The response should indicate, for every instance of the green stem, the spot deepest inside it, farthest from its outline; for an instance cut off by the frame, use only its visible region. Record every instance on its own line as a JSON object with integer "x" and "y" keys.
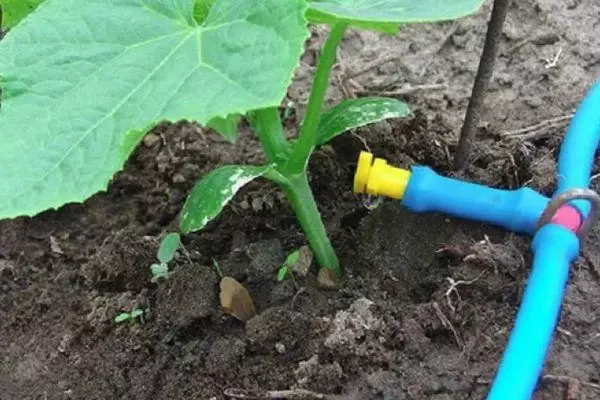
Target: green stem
{"x": 303, "y": 203}
{"x": 308, "y": 132}
{"x": 268, "y": 128}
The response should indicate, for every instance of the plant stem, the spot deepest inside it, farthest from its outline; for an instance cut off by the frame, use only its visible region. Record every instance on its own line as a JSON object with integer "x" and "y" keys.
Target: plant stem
{"x": 308, "y": 132}
{"x": 484, "y": 73}
{"x": 292, "y": 175}
{"x": 268, "y": 128}
{"x": 304, "y": 205}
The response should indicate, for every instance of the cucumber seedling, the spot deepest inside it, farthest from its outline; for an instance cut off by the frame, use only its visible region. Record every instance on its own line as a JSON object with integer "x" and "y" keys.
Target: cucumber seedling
{"x": 166, "y": 252}
{"x": 130, "y": 316}
{"x": 83, "y": 82}
{"x": 286, "y": 268}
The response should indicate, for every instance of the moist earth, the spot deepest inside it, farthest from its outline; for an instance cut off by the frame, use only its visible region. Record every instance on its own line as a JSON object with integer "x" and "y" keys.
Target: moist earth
{"x": 427, "y": 302}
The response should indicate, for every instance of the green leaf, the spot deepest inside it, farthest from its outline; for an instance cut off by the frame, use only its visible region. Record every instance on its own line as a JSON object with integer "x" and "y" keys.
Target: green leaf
{"x": 13, "y": 11}
{"x": 136, "y": 313}
{"x": 283, "y": 271}
{"x": 168, "y": 247}
{"x": 122, "y": 317}
{"x": 227, "y": 127}
{"x": 83, "y": 80}
{"x": 387, "y": 15}
{"x": 218, "y": 269}
{"x": 292, "y": 258}
{"x": 213, "y": 192}
{"x": 359, "y": 112}
{"x": 159, "y": 271}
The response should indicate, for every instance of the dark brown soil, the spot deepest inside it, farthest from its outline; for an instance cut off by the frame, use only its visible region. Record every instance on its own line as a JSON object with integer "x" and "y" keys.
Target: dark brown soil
{"x": 395, "y": 330}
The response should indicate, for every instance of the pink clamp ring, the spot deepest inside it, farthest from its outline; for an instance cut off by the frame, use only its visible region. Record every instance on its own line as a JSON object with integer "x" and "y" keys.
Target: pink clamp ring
{"x": 562, "y": 199}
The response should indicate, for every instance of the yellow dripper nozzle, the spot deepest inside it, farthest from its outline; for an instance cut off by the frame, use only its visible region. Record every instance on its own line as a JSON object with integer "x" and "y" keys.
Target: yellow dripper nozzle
{"x": 378, "y": 178}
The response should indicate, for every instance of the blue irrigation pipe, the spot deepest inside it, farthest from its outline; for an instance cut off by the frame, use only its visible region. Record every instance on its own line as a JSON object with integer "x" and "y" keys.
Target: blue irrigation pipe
{"x": 579, "y": 146}
{"x": 555, "y": 224}
{"x": 516, "y": 210}
{"x": 554, "y": 246}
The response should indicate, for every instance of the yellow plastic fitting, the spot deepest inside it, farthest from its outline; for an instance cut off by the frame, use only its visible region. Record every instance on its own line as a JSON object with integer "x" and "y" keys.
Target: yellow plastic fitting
{"x": 377, "y": 178}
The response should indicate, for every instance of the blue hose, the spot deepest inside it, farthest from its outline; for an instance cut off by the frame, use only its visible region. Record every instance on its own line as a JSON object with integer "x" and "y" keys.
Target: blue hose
{"x": 515, "y": 210}
{"x": 579, "y": 147}
{"x": 554, "y": 248}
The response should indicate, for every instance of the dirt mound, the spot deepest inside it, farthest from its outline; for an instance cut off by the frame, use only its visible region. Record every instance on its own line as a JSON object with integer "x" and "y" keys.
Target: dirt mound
{"x": 427, "y": 302}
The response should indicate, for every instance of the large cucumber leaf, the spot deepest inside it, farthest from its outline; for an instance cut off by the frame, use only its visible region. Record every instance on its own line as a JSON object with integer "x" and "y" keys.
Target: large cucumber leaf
{"x": 212, "y": 193}
{"x": 355, "y": 113}
{"x": 13, "y": 11}
{"x": 387, "y": 15}
{"x": 82, "y": 81}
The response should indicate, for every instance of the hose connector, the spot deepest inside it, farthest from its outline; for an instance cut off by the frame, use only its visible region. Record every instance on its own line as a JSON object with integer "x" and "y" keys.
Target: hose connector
{"x": 377, "y": 178}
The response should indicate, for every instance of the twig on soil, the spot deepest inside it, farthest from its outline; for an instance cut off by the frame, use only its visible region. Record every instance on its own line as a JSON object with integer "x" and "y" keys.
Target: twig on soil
{"x": 564, "y": 331}
{"x": 452, "y": 288}
{"x": 573, "y": 385}
{"x": 552, "y": 63}
{"x": 538, "y": 130}
{"x": 515, "y": 168}
{"x": 484, "y": 73}
{"x": 370, "y": 66}
{"x": 447, "y": 324}
{"x": 292, "y": 394}
{"x": 404, "y": 91}
{"x": 540, "y": 40}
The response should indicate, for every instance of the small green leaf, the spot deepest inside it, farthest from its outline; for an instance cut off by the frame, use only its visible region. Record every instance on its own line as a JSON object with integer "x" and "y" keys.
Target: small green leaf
{"x": 13, "y": 11}
{"x": 213, "y": 192}
{"x": 387, "y": 15}
{"x": 136, "y": 313}
{"x": 159, "y": 271}
{"x": 283, "y": 271}
{"x": 292, "y": 258}
{"x": 168, "y": 247}
{"x": 218, "y": 269}
{"x": 355, "y": 113}
{"x": 227, "y": 127}
{"x": 122, "y": 317}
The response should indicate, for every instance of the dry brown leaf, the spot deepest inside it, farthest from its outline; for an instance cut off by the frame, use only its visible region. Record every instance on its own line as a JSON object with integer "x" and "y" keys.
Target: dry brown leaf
{"x": 235, "y": 299}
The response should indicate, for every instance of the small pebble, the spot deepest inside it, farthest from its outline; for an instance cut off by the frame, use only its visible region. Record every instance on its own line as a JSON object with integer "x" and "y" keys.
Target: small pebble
{"x": 302, "y": 265}
{"x": 280, "y": 347}
{"x": 151, "y": 139}
{"x": 178, "y": 178}
{"x": 326, "y": 279}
